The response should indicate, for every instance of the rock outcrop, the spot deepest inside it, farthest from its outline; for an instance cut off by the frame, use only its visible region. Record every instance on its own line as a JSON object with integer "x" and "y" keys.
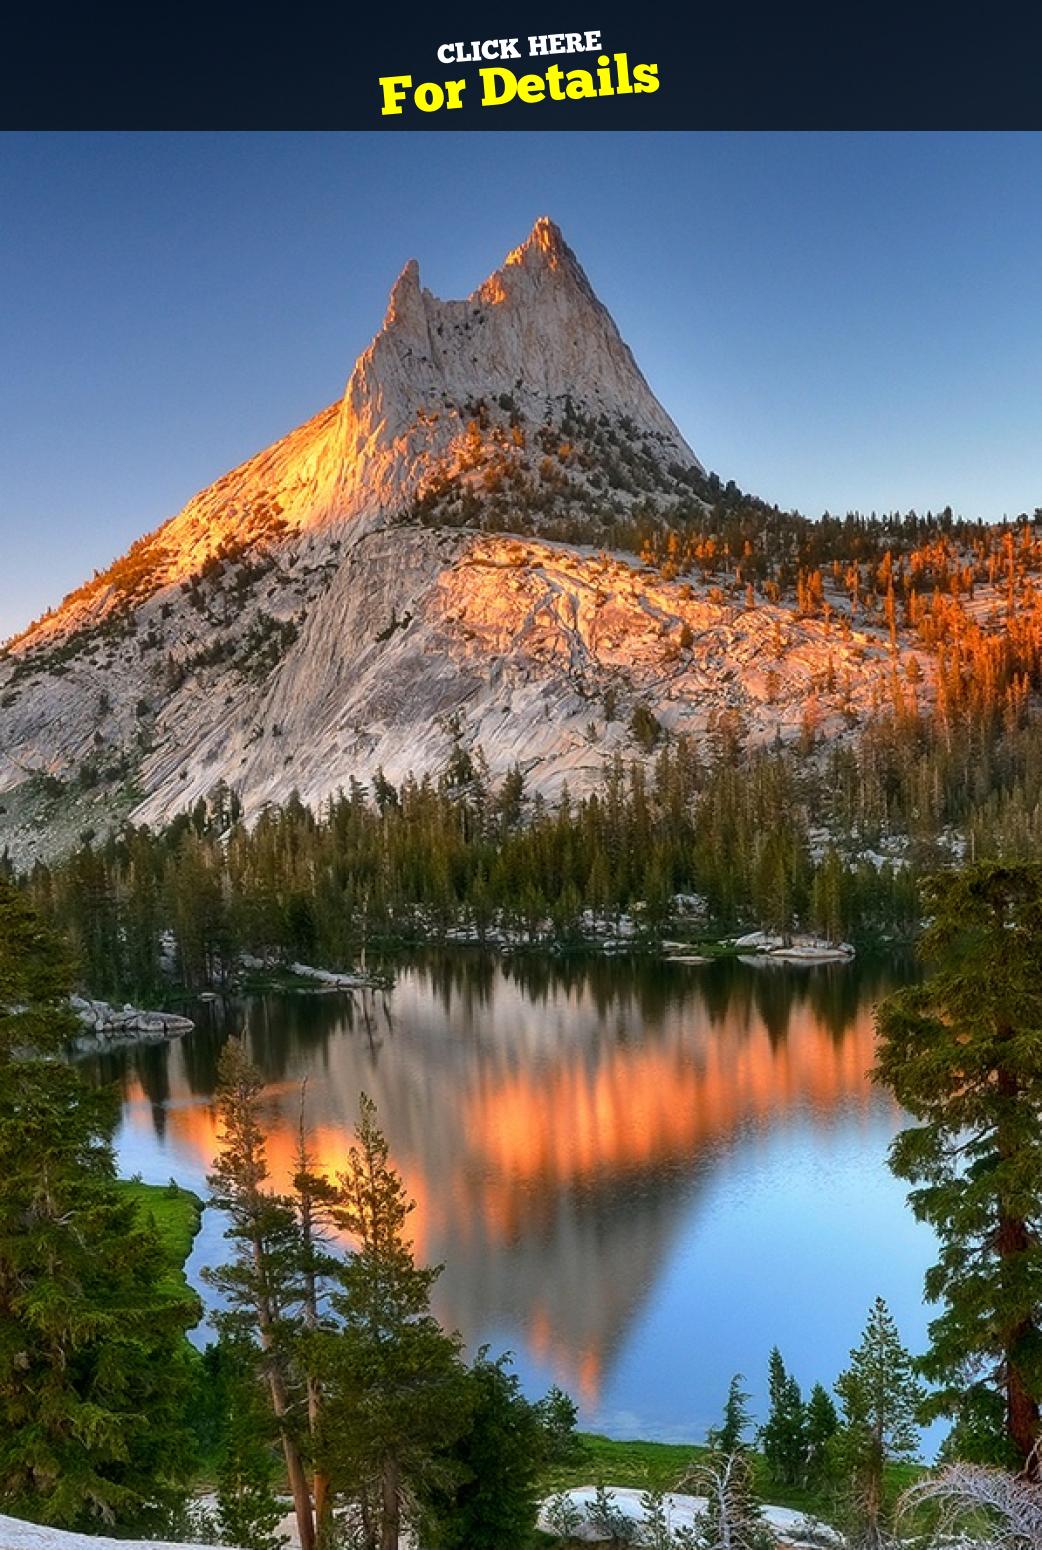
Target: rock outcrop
{"x": 682, "y": 1512}
{"x": 18, "y": 1535}
{"x": 104, "y": 1024}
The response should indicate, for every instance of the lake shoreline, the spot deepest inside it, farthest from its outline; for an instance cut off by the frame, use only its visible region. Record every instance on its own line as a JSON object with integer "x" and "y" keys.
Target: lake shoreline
{"x": 758, "y": 948}
{"x": 795, "y": 950}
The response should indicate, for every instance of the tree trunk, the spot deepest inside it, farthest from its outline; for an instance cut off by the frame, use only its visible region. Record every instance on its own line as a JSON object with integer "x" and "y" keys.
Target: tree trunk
{"x": 298, "y": 1482}
{"x": 298, "y": 1485}
{"x": 1014, "y": 1240}
{"x": 872, "y": 1500}
{"x": 1022, "y": 1408}
{"x": 320, "y": 1480}
{"x": 368, "y": 1534}
{"x": 391, "y": 1512}
{"x": 1022, "y": 1422}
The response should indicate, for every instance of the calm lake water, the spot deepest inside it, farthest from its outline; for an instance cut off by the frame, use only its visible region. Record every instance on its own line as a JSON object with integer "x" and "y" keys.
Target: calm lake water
{"x": 638, "y": 1176}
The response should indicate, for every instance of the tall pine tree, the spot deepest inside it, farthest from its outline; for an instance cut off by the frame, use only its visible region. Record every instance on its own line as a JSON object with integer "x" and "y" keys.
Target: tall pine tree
{"x": 95, "y": 1373}
{"x": 783, "y": 1437}
{"x": 730, "y": 1434}
{"x": 262, "y": 1285}
{"x": 396, "y": 1393}
{"x": 880, "y": 1396}
{"x": 962, "y": 1051}
{"x": 495, "y": 1499}
{"x": 820, "y": 1425}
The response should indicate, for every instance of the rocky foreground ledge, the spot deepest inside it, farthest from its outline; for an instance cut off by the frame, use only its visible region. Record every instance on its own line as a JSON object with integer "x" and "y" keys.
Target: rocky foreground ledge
{"x": 107, "y": 1025}
{"x": 16, "y": 1535}
{"x": 790, "y": 1529}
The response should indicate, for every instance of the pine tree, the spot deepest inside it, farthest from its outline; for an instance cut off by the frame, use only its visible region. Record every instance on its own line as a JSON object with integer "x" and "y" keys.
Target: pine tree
{"x": 35, "y": 978}
{"x": 261, "y": 1285}
{"x": 962, "y": 1051}
{"x": 95, "y": 1375}
{"x": 558, "y": 1417}
{"x": 249, "y": 1509}
{"x": 880, "y": 1397}
{"x": 611, "y": 1525}
{"x": 827, "y": 896}
{"x": 312, "y": 1196}
{"x": 498, "y": 1458}
{"x": 397, "y": 1398}
{"x": 730, "y": 1434}
{"x": 821, "y": 1423}
{"x": 783, "y": 1438}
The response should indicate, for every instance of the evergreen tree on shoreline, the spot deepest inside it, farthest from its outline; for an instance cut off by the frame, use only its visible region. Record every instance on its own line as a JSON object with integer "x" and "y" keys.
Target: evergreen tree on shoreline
{"x": 397, "y": 1397}
{"x": 880, "y": 1398}
{"x": 821, "y": 1423}
{"x": 262, "y": 1283}
{"x": 730, "y": 1434}
{"x": 962, "y": 1052}
{"x": 783, "y": 1437}
{"x": 94, "y": 1370}
{"x": 313, "y": 1195}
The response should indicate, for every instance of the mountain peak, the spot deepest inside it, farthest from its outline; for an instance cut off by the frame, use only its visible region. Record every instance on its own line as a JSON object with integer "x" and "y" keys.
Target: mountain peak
{"x": 543, "y": 257}
{"x": 533, "y": 336}
{"x": 544, "y": 243}
{"x": 405, "y": 295}
{"x": 534, "y": 329}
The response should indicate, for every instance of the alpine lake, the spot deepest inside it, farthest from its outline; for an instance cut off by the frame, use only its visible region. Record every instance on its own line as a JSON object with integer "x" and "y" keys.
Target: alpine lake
{"x": 639, "y": 1175}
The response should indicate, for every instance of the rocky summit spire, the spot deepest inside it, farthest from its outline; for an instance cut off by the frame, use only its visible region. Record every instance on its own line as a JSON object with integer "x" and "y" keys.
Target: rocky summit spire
{"x": 534, "y": 329}
{"x": 405, "y": 297}
{"x": 533, "y": 336}
{"x": 545, "y": 244}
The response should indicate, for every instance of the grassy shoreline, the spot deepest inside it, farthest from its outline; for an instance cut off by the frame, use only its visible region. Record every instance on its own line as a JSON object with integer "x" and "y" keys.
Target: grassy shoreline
{"x": 177, "y": 1214}
{"x": 660, "y": 1465}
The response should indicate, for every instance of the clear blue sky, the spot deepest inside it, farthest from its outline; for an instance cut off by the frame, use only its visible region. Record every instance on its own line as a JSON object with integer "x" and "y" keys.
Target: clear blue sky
{"x": 833, "y": 321}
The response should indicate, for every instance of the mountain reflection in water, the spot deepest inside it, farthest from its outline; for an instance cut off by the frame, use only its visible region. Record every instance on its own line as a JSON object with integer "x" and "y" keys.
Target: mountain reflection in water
{"x": 639, "y": 1176}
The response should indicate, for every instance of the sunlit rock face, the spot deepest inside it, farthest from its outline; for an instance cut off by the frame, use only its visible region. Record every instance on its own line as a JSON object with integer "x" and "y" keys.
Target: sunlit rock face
{"x": 333, "y": 605}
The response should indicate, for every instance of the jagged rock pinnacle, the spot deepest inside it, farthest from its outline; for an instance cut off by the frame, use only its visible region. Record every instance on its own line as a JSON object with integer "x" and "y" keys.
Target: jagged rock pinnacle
{"x": 535, "y": 329}
{"x": 544, "y": 241}
{"x": 405, "y": 292}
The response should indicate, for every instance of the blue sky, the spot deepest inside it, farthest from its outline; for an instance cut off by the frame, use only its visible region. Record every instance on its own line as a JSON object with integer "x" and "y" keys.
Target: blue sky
{"x": 834, "y": 321}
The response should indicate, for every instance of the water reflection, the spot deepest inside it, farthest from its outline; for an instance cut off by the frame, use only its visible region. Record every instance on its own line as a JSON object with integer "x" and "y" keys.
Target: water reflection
{"x": 594, "y": 1149}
